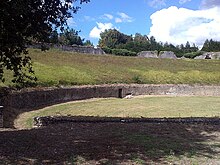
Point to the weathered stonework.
(167, 54)
(209, 55)
(50, 120)
(16, 102)
(73, 48)
(148, 54)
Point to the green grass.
(54, 68)
(151, 107)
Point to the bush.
(192, 55)
(123, 52)
(107, 50)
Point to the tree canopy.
(112, 37)
(211, 46)
(23, 21)
(114, 42)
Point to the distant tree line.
(211, 46)
(68, 37)
(114, 42)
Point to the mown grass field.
(54, 68)
(150, 107)
(119, 143)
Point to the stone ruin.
(148, 54)
(70, 48)
(51, 120)
(167, 54)
(209, 55)
(16, 102)
(154, 54)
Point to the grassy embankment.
(152, 107)
(54, 68)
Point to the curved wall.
(16, 102)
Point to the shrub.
(192, 55)
(107, 50)
(123, 52)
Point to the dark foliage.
(23, 21)
(123, 52)
(211, 46)
(113, 39)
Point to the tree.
(54, 37)
(187, 45)
(88, 43)
(211, 46)
(112, 37)
(140, 38)
(26, 20)
(70, 37)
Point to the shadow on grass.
(110, 143)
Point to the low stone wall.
(148, 54)
(73, 48)
(154, 54)
(34, 98)
(51, 120)
(16, 102)
(209, 55)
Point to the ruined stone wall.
(73, 48)
(154, 54)
(209, 55)
(34, 98)
(16, 102)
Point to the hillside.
(54, 68)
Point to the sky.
(172, 21)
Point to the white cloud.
(71, 22)
(157, 3)
(123, 18)
(210, 3)
(101, 27)
(183, 1)
(89, 18)
(108, 16)
(162, 3)
(178, 25)
(118, 20)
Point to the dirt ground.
(112, 143)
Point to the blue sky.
(174, 21)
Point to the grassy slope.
(64, 68)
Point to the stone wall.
(73, 48)
(148, 54)
(209, 55)
(154, 54)
(167, 54)
(16, 102)
(50, 120)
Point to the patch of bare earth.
(112, 143)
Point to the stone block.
(148, 54)
(167, 54)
